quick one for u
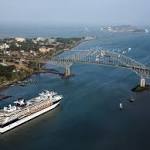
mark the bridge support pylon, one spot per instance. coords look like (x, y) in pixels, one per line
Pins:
(142, 82)
(67, 72)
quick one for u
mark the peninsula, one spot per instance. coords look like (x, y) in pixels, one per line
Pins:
(21, 57)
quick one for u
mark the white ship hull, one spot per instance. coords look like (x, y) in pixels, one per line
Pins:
(23, 120)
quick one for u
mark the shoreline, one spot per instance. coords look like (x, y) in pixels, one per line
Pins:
(138, 88)
(9, 83)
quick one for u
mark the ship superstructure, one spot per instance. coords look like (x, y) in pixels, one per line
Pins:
(22, 111)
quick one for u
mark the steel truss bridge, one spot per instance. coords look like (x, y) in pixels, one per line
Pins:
(100, 57)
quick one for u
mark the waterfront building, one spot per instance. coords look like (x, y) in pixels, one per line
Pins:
(20, 39)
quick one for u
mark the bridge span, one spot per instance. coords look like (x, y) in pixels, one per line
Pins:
(101, 57)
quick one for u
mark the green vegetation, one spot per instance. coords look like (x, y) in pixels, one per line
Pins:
(6, 72)
(23, 55)
(10, 73)
(68, 40)
(26, 45)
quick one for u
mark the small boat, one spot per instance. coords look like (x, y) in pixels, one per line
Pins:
(121, 106)
(129, 49)
(146, 31)
(131, 99)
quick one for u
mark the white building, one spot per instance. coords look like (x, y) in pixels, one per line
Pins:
(22, 51)
(20, 39)
(45, 49)
(4, 46)
(40, 39)
(3, 64)
(7, 52)
(34, 41)
(33, 52)
(17, 45)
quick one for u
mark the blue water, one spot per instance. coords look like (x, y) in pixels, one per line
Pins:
(88, 117)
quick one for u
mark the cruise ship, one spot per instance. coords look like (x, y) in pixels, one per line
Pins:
(22, 111)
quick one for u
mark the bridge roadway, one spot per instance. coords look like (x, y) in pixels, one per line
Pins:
(100, 57)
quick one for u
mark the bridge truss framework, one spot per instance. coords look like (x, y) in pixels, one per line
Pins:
(101, 57)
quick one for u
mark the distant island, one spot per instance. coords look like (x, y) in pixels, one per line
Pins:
(21, 57)
(124, 28)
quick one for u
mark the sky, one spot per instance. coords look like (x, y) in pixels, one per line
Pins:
(86, 12)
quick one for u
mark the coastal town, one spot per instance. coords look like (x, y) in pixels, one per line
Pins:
(21, 57)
